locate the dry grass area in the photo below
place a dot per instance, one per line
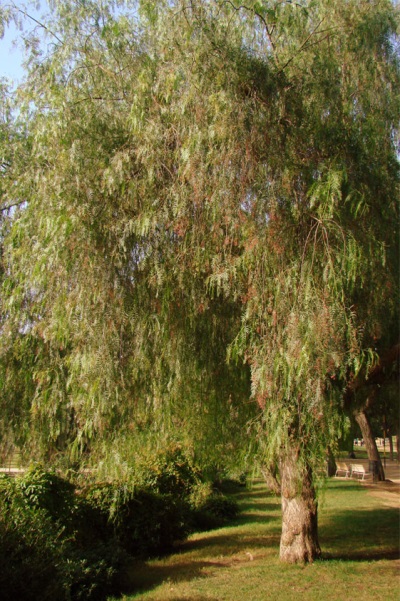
(359, 535)
(388, 492)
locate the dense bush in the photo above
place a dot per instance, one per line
(42, 556)
(169, 471)
(164, 502)
(47, 491)
(211, 508)
(145, 522)
(221, 507)
(66, 544)
(31, 553)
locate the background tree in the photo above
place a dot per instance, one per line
(376, 405)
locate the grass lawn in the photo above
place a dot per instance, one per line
(359, 536)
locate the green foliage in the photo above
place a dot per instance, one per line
(59, 542)
(42, 556)
(31, 556)
(45, 490)
(153, 522)
(169, 471)
(221, 507)
(212, 509)
(165, 499)
(143, 521)
(157, 507)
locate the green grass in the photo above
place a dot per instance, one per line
(359, 536)
(361, 453)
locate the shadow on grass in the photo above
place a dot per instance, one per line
(346, 534)
(361, 535)
(344, 484)
(145, 578)
(226, 547)
(255, 505)
(362, 557)
(230, 543)
(252, 494)
(192, 557)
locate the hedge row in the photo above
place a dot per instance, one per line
(62, 542)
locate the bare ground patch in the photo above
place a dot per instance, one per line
(387, 491)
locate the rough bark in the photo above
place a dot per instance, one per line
(370, 444)
(299, 539)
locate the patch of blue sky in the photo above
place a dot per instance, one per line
(11, 54)
(12, 47)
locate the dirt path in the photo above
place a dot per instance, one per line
(388, 491)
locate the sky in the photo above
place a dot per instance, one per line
(11, 54)
(10, 58)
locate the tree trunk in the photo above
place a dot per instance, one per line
(391, 449)
(370, 444)
(396, 443)
(299, 539)
(398, 446)
(330, 463)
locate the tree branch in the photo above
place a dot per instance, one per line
(11, 205)
(22, 11)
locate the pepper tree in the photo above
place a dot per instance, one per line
(207, 180)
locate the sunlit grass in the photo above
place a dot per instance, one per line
(358, 534)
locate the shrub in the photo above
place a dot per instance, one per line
(150, 513)
(153, 522)
(200, 494)
(144, 522)
(221, 507)
(31, 555)
(169, 471)
(51, 493)
(211, 509)
(41, 555)
(62, 544)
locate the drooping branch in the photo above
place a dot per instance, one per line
(377, 374)
(26, 14)
(387, 360)
(11, 205)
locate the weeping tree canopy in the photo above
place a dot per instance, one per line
(204, 226)
(99, 340)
